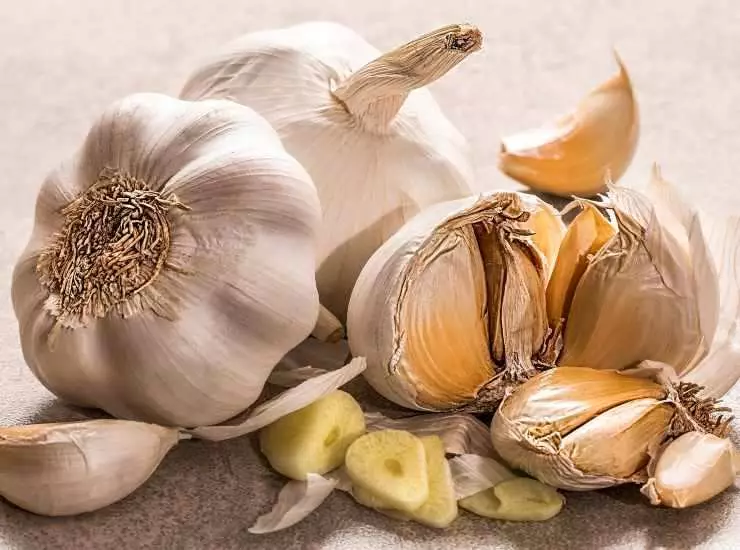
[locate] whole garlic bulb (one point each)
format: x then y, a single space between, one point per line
378 149
451 309
171 263
578 429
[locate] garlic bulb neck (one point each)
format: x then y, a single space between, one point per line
375 93
114 242
697 413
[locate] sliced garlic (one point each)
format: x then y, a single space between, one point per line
692 469
72 468
517 499
579 153
452 308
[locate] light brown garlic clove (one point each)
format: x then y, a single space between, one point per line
72 468
692 469
580 152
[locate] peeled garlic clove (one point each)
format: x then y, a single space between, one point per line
637 298
517 499
586 234
538 427
578 154
453 306
72 468
692 469
390 465
315 438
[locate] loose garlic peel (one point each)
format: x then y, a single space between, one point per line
581 429
72 468
171 264
692 469
362 124
579 153
487 318
638 296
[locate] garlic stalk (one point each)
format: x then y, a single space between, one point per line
375 143
636 287
72 468
692 469
451 310
577 428
171 264
580 152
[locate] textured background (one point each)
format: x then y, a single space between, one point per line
62 61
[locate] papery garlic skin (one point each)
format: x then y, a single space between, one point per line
582 429
236 289
420 309
72 468
378 149
584 150
692 469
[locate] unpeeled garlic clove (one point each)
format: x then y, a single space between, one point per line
72 468
692 469
578 153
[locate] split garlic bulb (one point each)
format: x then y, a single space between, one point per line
451 309
171 264
72 468
579 429
639 285
378 148
582 151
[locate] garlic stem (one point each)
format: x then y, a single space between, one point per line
375 93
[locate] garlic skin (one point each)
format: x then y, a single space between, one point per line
231 219
378 148
452 307
692 469
581 429
579 153
72 468
643 295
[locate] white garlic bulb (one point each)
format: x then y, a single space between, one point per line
171 264
451 309
71 468
378 149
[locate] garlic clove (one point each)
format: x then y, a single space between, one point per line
72 468
586 234
578 154
549 231
616 442
568 397
692 469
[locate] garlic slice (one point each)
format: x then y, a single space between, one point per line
692 469
582 150
451 309
72 468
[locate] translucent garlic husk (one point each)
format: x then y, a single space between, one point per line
231 220
636 285
579 429
451 310
361 122
692 469
580 152
72 468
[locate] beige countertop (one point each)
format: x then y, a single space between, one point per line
62 62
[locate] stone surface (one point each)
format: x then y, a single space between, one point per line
62 62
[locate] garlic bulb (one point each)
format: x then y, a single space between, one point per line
378 148
581 151
634 287
578 429
692 469
451 310
171 264
71 468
